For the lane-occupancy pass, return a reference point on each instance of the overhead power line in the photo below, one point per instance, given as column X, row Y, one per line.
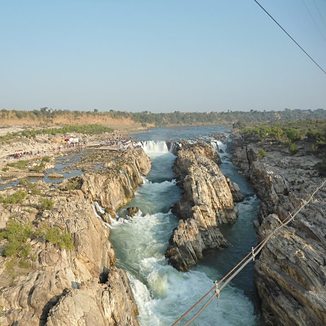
column 321, row 32
column 300, row 47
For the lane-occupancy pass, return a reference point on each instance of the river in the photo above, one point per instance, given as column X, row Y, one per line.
column 161, row 292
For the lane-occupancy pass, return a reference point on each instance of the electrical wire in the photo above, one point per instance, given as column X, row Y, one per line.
column 282, row 28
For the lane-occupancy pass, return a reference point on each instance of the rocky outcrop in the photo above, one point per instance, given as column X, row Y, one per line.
column 206, row 203
column 116, row 185
column 109, row 304
column 290, row 272
column 70, row 286
column 132, row 211
column 237, row 195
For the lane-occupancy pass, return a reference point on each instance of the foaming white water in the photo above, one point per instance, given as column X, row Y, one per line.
column 218, row 145
column 152, row 147
column 152, row 197
column 162, row 293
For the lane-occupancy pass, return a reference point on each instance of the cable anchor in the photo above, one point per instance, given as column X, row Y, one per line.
column 217, row 290
column 253, row 253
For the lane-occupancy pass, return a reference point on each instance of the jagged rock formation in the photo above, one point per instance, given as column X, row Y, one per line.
column 206, row 203
column 290, row 272
column 237, row 195
column 132, row 211
column 81, row 286
column 125, row 174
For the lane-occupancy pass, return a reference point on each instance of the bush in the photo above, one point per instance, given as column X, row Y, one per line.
column 293, row 134
column 32, row 187
column 21, row 165
column 72, row 184
column 38, row 168
column 57, row 237
column 261, row 153
column 15, row 198
column 46, row 204
column 16, row 235
column 46, row 159
column 293, row 148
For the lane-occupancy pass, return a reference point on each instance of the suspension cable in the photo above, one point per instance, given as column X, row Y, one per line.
column 227, row 278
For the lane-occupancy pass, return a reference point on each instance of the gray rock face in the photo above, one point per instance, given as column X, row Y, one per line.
column 117, row 188
column 290, row 272
column 132, row 211
column 72, row 287
column 106, row 304
column 206, row 203
column 235, row 190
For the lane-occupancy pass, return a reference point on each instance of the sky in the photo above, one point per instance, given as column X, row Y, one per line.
column 161, row 55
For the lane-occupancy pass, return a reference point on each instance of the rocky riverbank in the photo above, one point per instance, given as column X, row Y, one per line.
column 57, row 266
column 290, row 272
column 206, row 203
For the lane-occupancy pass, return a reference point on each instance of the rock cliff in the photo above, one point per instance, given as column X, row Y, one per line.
column 61, row 283
column 206, row 203
column 290, row 272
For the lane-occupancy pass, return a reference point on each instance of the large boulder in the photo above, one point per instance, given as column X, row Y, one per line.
column 206, row 203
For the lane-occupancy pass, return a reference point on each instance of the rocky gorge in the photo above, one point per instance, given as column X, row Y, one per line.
column 207, row 202
column 57, row 266
column 290, row 272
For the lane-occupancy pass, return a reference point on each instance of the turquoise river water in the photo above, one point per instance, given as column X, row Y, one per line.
column 161, row 292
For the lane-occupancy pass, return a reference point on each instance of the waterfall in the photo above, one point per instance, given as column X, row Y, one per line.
column 218, row 146
column 155, row 147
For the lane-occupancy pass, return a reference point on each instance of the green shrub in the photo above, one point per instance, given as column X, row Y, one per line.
column 21, row 165
column 46, row 204
column 73, row 184
column 16, row 235
column 32, row 187
column 90, row 129
column 57, row 237
column 38, row 168
column 293, row 134
column 46, row 159
column 15, row 198
column 261, row 153
column 293, row 148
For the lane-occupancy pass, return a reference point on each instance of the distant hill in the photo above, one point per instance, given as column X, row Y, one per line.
column 146, row 119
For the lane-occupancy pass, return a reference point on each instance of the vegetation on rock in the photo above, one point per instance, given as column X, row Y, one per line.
column 312, row 130
column 21, row 164
column 261, row 153
column 18, row 235
column 89, row 129
column 293, row 148
column 15, row 198
column 46, row 204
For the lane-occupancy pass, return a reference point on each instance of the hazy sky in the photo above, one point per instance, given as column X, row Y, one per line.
column 161, row 55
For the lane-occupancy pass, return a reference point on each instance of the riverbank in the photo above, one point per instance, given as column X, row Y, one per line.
column 56, row 265
column 290, row 274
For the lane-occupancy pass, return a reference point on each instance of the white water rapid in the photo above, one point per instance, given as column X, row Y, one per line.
column 155, row 147
column 161, row 292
